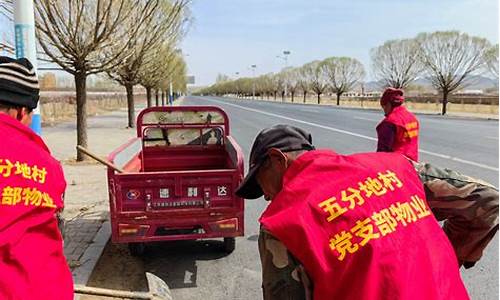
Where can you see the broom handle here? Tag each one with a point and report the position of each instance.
(102, 161)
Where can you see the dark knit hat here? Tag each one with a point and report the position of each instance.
(18, 82)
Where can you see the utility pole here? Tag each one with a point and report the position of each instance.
(253, 81)
(237, 89)
(24, 29)
(170, 94)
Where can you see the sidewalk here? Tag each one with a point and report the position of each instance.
(86, 197)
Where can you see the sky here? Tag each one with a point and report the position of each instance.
(228, 36)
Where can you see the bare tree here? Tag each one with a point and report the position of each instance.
(275, 84)
(343, 74)
(303, 82)
(262, 86)
(173, 68)
(7, 9)
(279, 85)
(154, 68)
(161, 20)
(292, 77)
(314, 75)
(180, 77)
(492, 62)
(77, 35)
(450, 58)
(395, 64)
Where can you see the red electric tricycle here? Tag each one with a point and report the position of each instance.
(178, 181)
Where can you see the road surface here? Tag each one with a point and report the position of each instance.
(198, 270)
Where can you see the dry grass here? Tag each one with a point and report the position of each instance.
(423, 107)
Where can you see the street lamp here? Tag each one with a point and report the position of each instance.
(253, 80)
(285, 58)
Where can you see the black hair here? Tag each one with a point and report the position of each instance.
(4, 105)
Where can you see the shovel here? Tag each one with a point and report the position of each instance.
(158, 290)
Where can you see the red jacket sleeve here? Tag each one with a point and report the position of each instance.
(386, 133)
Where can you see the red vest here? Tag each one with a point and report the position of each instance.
(32, 262)
(407, 130)
(361, 227)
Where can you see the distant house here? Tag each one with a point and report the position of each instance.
(470, 92)
(363, 95)
(372, 94)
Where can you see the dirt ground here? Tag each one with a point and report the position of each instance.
(129, 267)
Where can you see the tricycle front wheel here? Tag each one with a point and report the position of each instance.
(136, 249)
(229, 244)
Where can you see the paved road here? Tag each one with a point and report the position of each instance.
(198, 270)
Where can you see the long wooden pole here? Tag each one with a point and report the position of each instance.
(102, 161)
(112, 293)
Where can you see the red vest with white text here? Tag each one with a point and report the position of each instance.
(362, 229)
(407, 131)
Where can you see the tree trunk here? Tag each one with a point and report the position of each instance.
(305, 94)
(319, 98)
(445, 102)
(148, 97)
(162, 98)
(275, 95)
(338, 99)
(293, 93)
(282, 96)
(130, 105)
(81, 113)
(157, 98)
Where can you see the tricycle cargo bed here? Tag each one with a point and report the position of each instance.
(160, 159)
(180, 178)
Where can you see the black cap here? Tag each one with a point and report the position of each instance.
(18, 82)
(283, 137)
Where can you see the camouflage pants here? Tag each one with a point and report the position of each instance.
(468, 207)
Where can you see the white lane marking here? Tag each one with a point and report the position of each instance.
(492, 137)
(297, 120)
(367, 119)
(357, 135)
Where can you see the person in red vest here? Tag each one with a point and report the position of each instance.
(32, 262)
(345, 226)
(398, 131)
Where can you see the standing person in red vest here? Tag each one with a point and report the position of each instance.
(399, 130)
(32, 262)
(345, 226)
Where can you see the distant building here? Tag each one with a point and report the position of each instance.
(354, 94)
(48, 81)
(470, 92)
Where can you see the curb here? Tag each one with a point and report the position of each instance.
(81, 275)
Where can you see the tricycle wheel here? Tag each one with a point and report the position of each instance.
(136, 249)
(229, 244)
